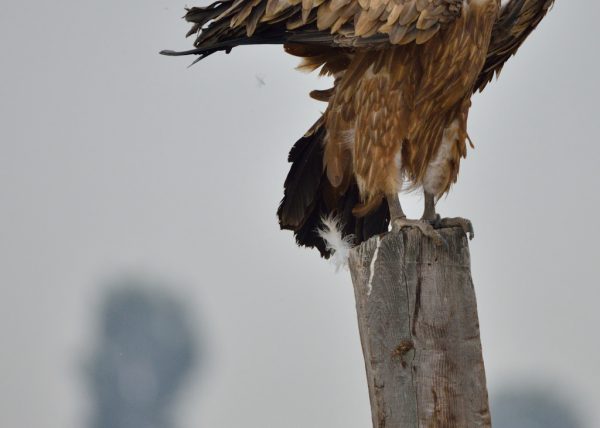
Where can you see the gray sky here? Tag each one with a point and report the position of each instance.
(115, 159)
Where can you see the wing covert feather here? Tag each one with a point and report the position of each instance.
(518, 19)
(336, 23)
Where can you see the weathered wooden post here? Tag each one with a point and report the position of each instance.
(419, 329)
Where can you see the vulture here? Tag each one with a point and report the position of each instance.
(404, 72)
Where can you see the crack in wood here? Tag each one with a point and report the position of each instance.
(419, 330)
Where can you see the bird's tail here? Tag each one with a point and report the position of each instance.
(310, 202)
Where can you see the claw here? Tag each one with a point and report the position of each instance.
(424, 226)
(465, 224)
(435, 222)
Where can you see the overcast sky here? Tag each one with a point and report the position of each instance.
(115, 160)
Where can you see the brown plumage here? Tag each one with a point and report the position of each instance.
(396, 117)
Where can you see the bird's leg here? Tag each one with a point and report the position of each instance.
(395, 208)
(429, 213)
(437, 222)
(399, 220)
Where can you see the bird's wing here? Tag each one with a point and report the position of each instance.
(336, 23)
(517, 20)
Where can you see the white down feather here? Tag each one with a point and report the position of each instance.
(340, 246)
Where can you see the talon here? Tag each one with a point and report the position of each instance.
(423, 225)
(435, 222)
(463, 223)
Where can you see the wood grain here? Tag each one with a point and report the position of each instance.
(417, 316)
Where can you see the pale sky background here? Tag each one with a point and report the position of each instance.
(114, 159)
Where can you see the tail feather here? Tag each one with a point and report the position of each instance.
(308, 199)
(302, 185)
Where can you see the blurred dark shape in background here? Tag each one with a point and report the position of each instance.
(145, 351)
(532, 407)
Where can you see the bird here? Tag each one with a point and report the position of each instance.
(404, 72)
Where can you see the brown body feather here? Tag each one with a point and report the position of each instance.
(391, 107)
(404, 74)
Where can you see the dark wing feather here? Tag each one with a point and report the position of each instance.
(302, 184)
(517, 20)
(335, 23)
(308, 198)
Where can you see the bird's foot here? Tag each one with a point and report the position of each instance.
(423, 225)
(463, 223)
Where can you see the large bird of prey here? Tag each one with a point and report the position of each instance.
(396, 118)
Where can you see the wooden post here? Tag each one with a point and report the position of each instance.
(419, 329)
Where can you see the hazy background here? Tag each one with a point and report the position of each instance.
(124, 170)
